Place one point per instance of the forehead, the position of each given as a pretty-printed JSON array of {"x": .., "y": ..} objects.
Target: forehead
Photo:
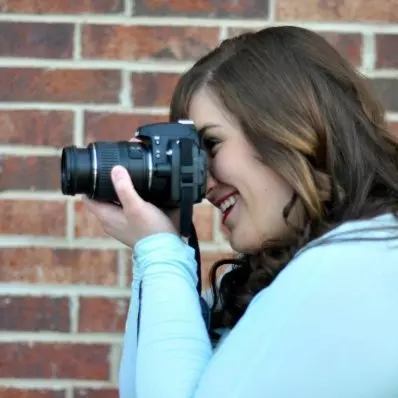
[{"x": 205, "y": 108}]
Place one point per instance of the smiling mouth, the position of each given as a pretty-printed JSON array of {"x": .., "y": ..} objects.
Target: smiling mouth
[{"x": 227, "y": 205}]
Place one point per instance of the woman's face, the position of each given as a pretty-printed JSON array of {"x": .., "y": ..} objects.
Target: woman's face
[{"x": 250, "y": 196}]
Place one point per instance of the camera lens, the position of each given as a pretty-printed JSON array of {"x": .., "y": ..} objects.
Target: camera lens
[{"x": 88, "y": 170}]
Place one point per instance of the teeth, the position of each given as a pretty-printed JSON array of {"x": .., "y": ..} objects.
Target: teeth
[{"x": 228, "y": 203}]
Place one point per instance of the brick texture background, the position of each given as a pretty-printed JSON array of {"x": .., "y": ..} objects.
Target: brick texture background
[{"x": 76, "y": 71}]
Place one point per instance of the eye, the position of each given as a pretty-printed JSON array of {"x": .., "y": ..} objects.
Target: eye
[{"x": 209, "y": 144}]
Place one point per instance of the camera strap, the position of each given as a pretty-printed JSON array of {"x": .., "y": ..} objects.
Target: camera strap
[
  {"x": 187, "y": 226},
  {"x": 187, "y": 182}
]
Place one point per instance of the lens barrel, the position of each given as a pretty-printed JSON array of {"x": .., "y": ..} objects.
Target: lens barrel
[{"x": 88, "y": 170}]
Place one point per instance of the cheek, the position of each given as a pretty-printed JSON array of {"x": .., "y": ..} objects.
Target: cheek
[
  {"x": 275, "y": 185},
  {"x": 270, "y": 193},
  {"x": 234, "y": 163}
]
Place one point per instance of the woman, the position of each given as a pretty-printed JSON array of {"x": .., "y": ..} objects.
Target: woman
[{"x": 305, "y": 174}]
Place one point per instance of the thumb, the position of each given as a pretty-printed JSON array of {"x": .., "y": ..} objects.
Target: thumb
[{"x": 124, "y": 188}]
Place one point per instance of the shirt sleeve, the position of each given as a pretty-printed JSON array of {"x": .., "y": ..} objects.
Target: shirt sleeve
[
  {"x": 127, "y": 370},
  {"x": 173, "y": 344},
  {"x": 326, "y": 327}
]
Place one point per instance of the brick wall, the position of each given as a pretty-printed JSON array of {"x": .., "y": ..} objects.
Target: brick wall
[{"x": 76, "y": 71}]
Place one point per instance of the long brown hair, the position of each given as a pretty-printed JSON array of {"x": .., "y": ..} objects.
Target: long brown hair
[{"x": 315, "y": 121}]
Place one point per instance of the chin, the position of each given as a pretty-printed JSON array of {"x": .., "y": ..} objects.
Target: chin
[{"x": 244, "y": 245}]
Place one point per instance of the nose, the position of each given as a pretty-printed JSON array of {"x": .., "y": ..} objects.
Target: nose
[{"x": 211, "y": 182}]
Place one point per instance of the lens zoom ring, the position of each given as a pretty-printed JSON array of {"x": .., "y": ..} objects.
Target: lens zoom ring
[{"x": 107, "y": 157}]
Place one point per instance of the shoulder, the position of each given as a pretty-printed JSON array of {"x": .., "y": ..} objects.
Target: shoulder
[
  {"x": 354, "y": 240},
  {"x": 355, "y": 254}
]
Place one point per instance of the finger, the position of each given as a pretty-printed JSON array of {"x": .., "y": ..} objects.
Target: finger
[
  {"x": 124, "y": 188},
  {"x": 102, "y": 210}
]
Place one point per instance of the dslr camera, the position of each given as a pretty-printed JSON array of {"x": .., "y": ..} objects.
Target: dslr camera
[{"x": 167, "y": 167}]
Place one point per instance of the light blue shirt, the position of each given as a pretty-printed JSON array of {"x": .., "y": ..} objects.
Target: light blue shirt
[{"x": 327, "y": 327}]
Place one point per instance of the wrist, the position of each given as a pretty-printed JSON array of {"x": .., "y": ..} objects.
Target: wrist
[{"x": 163, "y": 249}]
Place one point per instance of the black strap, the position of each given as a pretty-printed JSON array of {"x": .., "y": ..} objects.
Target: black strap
[{"x": 187, "y": 227}]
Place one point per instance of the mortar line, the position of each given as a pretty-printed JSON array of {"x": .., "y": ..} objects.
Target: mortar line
[
  {"x": 122, "y": 268},
  {"x": 70, "y": 220},
  {"x": 64, "y": 338},
  {"x": 129, "y": 8},
  {"x": 74, "y": 313},
  {"x": 125, "y": 96},
  {"x": 77, "y": 42},
  {"x": 24, "y": 241},
  {"x": 133, "y": 65},
  {"x": 192, "y": 21},
  {"x": 53, "y": 384},
  {"x": 223, "y": 33},
  {"x": 22, "y": 150},
  {"x": 89, "y": 107},
  {"x": 114, "y": 361},
  {"x": 368, "y": 52},
  {"x": 79, "y": 127},
  {"x": 56, "y": 291},
  {"x": 272, "y": 11}
]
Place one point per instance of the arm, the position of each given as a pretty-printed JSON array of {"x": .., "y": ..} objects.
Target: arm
[{"x": 173, "y": 344}]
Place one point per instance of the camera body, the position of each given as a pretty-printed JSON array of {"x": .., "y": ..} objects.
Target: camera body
[{"x": 167, "y": 165}]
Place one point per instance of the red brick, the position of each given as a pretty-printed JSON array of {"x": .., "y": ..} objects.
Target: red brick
[
  {"x": 31, "y": 127},
  {"x": 29, "y": 217},
  {"x": 54, "y": 361},
  {"x": 31, "y": 393},
  {"x": 97, "y": 314},
  {"x": 153, "y": 89},
  {"x": 30, "y": 172},
  {"x": 115, "y": 126},
  {"x": 56, "y": 85},
  {"x": 387, "y": 90},
  {"x": 338, "y": 10},
  {"x": 62, "y": 6},
  {"x": 210, "y": 8},
  {"x": 147, "y": 42},
  {"x": 86, "y": 223},
  {"x": 203, "y": 220},
  {"x": 208, "y": 260},
  {"x": 94, "y": 393},
  {"x": 34, "y": 313},
  {"x": 37, "y": 40},
  {"x": 387, "y": 51},
  {"x": 348, "y": 44},
  {"x": 59, "y": 266}
]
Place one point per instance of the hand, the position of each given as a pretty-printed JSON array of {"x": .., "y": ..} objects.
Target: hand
[
  {"x": 173, "y": 214},
  {"x": 136, "y": 219}
]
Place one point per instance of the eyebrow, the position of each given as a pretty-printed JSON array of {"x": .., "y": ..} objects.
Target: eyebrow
[{"x": 203, "y": 129}]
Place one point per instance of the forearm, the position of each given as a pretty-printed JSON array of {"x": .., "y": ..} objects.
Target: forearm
[{"x": 173, "y": 344}]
